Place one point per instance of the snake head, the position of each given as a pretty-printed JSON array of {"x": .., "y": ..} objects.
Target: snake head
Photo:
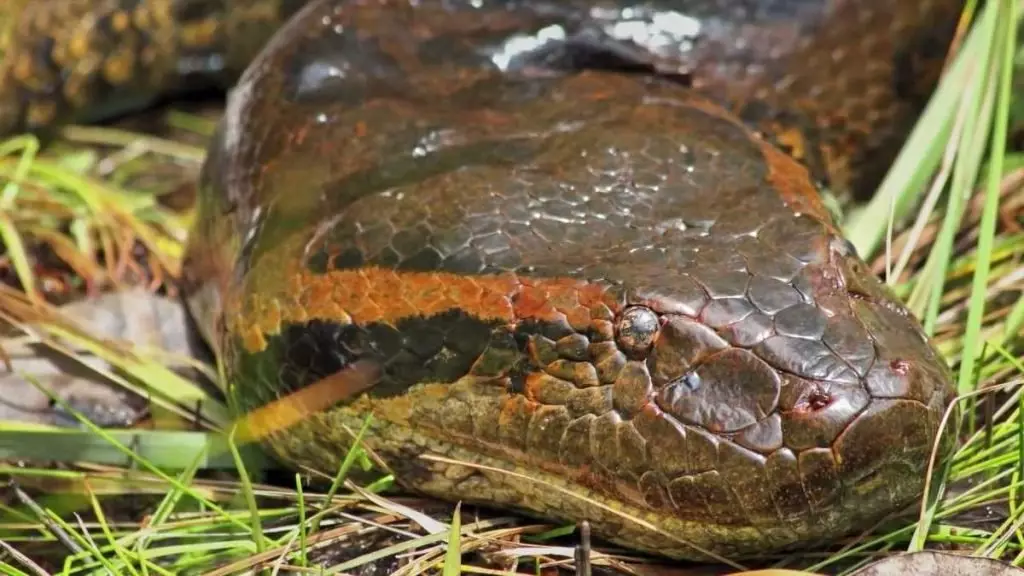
[{"x": 794, "y": 401}]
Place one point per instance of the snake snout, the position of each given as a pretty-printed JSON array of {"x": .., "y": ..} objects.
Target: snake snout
[
  {"x": 873, "y": 418},
  {"x": 885, "y": 449},
  {"x": 905, "y": 364},
  {"x": 909, "y": 384},
  {"x": 871, "y": 439}
]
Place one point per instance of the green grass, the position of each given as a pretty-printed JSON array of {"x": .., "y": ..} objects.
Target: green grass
[{"x": 210, "y": 510}]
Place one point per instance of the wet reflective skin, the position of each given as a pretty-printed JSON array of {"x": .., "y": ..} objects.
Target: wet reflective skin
[{"x": 591, "y": 293}]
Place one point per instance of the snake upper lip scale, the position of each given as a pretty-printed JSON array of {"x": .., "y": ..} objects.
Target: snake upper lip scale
[{"x": 591, "y": 294}]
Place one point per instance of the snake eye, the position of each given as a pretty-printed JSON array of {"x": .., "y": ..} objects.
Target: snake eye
[{"x": 636, "y": 330}]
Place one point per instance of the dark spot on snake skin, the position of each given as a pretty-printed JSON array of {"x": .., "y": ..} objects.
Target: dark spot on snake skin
[
  {"x": 441, "y": 348},
  {"x": 318, "y": 262},
  {"x": 348, "y": 259},
  {"x": 437, "y": 349}
]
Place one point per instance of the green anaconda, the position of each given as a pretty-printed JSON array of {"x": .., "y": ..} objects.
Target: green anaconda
[{"x": 580, "y": 244}]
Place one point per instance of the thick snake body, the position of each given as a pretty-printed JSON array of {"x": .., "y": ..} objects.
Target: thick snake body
[{"x": 572, "y": 241}]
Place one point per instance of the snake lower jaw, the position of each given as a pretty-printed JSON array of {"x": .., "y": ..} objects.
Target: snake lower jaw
[{"x": 442, "y": 462}]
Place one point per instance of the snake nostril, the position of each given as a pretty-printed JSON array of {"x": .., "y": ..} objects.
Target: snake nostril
[
  {"x": 900, "y": 367},
  {"x": 810, "y": 402},
  {"x": 818, "y": 401}
]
